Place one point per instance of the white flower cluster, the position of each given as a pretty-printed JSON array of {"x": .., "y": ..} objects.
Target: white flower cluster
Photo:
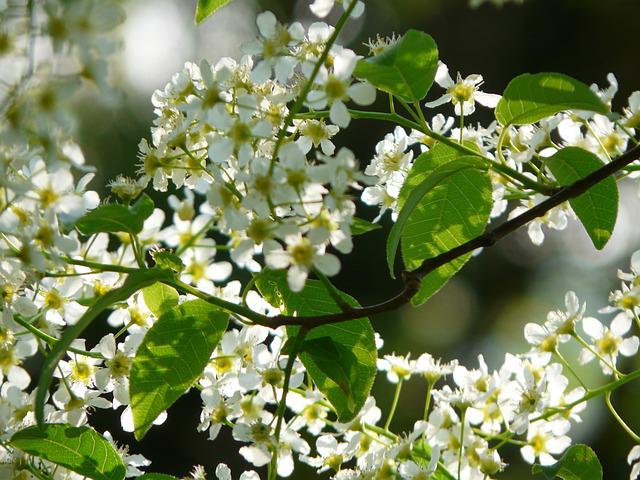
[
  {"x": 528, "y": 402},
  {"x": 526, "y": 145},
  {"x": 250, "y": 166},
  {"x": 216, "y": 132}
]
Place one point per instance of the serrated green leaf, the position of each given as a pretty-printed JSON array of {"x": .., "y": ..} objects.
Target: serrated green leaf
[
  {"x": 348, "y": 384},
  {"x": 206, "y": 8},
  {"x": 406, "y": 70},
  {"x": 531, "y": 97},
  {"x": 160, "y": 298},
  {"x": 80, "y": 449},
  {"x": 427, "y": 162},
  {"x": 597, "y": 208},
  {"x": 578, "y": 463},
  {"x": 173, "y": 354},
  {"x": 333, "y": 360},
  {"x": 414, "y": 195},
  {"x": 450, "y": 207},
  {"x": 135, "y": 281},
  {"x": 360, "y": 226},
  {"x": 115, "y": 217}
]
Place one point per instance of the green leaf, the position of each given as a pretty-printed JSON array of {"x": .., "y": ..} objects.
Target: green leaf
[
  {"x": 170, "y": 359},
  {"x": 206, "y": 8},
  {"x": 341, "y": 357},
  {"x": 597, "y": 208},
  {"x": 531, "y": 97},
  {"x": 578, "y": 463},
  {"x": 134, "y": 282},
  {"x": 334, "y": 361},
  {"x": 80, "y": 449},
  {"x": 420, "y": 182},
  {"x": 450, "y": 207},
  {"x": 165, "y": 259},
  {"x": 406, "y": 70},
  {"x": 360, "y": 226},
  {"x": 115, "y": 217},
  {"x": 160, "y": 298}
]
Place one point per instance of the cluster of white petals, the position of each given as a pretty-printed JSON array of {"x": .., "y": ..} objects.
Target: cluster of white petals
[{"x": 267, "y": 181}]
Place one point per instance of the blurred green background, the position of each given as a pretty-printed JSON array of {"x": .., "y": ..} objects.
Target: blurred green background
[{"x": 482, "y": 310}]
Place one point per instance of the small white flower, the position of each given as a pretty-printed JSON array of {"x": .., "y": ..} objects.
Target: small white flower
[
  {"x": 398, "y": 368},
  {"x": 543, "y": 442},
  {"x": 608, "y": 342},
  {"x": 632, "y": 459},
  {"x": 321, "y": 8},
  {"x": 299, "y": 257},
  {"x": 463, "y": 93}
]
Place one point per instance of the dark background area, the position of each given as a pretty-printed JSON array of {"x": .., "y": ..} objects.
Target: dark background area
[{"x": 484, "y": 309}]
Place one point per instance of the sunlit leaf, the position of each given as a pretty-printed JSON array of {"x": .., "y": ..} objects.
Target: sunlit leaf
[
  {"x": 115, "y": 217},
  {"x": 160, "y": 298},
  {"x": 578, "y": 463},
  {"x": 80, "y": 449},
  {"x": 171, "y": 357},
  {"x": 406, "y": 69},
  {"x": 597, "y": 208},
  {"x": 341, "y": 357},
  {"x": 531, "y": 97},
  {"x": 206, "y": 8}
]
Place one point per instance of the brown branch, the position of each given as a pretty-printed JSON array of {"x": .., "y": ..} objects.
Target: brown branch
[{"x": 490, "y": 237}]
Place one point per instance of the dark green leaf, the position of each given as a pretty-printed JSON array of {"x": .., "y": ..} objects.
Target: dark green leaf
[
  {"x": 115, "y": 217},
  {"x": 406, "y": 69},
  {"x": 450, "y": 207},
  {"x": 206, "y": 8},
  {"x": 135, "y": 281},
  {"x": 334, "y": 360},
  {"x": 347, "y": 383},
  {"x": 360, "y": 226},
  {"x": 415, "y": 191},
  {"x": 160, "y": 298},
  {"x": 82, "y": 450},
  {"x": 531, "y": 97},
  {"x": 578, "y": 463},
  {"x": 597, "y": 208},
  {"x": 172, "y": 356}
]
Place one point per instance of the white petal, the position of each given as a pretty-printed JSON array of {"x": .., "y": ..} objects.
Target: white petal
[
  {"x": 442, "y": 76},
  {"x": 267, "y": 22},
  {"x": 440, "y": 101},
  {"x": 621, "y": 324},
  {"x": 487, "y": 99},
  {"x": 592, "y": 327},
  {"x": 339, "y": 114},
  {"x": 296, "y": 276},
  {"x": 327, "y": 264},
  {"x": 362, "y": 93},
  {"x": 629, "y": 346}
]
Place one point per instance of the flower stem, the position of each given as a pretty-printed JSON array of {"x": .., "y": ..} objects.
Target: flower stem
[
  {"x": 51, "y": 340},
  {"x": 394, "y": 404},
  {"x": 616, "y": 416},
  {"x": 427, "y": 401},
  {"x": 462, "y": 417},
  {"x": 273, "y": 465},
  {"x": 570, "y": 368}
]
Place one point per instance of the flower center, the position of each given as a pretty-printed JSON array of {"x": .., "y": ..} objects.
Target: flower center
[
  {"x": 302, "y": 252},
  {"x": 461, "y": 92}
]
